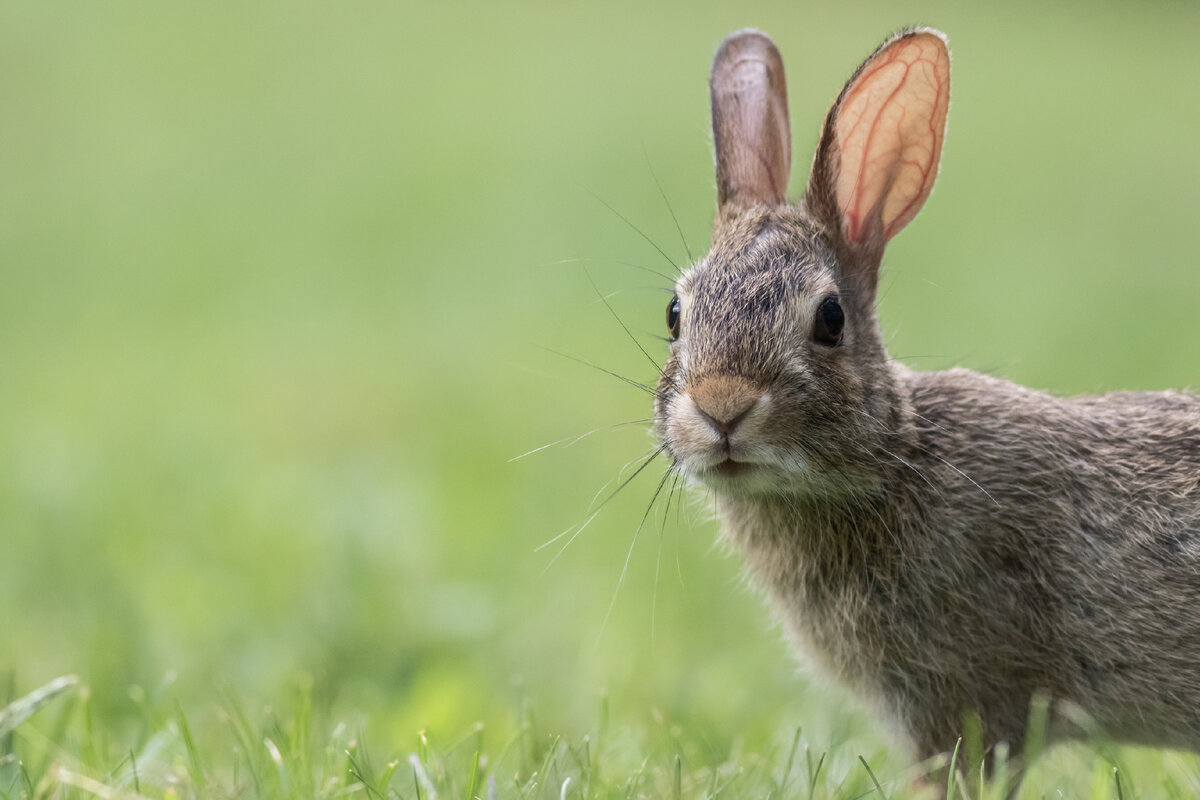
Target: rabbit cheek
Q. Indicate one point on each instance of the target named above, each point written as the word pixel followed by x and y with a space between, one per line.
pixel 697 444
pixel 666 393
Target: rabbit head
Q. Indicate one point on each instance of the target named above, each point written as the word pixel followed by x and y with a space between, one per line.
pixel 778 380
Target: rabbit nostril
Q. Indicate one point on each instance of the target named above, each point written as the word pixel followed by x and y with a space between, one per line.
pixel 725 426
pixel 724 402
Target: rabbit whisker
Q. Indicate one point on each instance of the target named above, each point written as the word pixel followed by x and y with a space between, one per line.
pixel 647 389
pixel 915 358
pixel 620 322
pixel 633 543
pixel 591 505
pixel 635 228
pixel 657 572
pixel 674 471
pixel 567 544
pixel 963 474
pixel 572 440
pixel 670 210
pixel 595 513
pixel 597 509
pixel 676 490
pixel 629 264
pixel 913 467
pixel 931 454
pixel 662 530
pixel 927 421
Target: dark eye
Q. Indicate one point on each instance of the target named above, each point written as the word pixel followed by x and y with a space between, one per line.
pixel 673 317
pixel 827 329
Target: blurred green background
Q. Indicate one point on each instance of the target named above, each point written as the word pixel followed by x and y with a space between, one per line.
pixel 284 287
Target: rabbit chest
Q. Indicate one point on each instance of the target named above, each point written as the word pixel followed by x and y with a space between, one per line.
pixel 908 605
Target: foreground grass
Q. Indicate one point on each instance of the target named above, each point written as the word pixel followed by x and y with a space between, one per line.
pixel 232 752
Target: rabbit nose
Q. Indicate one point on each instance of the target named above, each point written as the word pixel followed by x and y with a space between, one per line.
pixel 723 401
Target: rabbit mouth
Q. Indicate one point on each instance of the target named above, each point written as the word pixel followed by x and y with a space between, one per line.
pixel 733 469
pixel 731 477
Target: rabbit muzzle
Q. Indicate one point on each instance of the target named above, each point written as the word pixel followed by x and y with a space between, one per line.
pixel 717 430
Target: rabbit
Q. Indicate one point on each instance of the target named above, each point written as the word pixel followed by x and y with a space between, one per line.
pixel 947 545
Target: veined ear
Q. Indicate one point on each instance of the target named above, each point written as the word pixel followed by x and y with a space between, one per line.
pixel 751 136
pixel 880 147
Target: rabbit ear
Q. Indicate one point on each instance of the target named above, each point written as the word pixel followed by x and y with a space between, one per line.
pixel 879 151
pixel 751 136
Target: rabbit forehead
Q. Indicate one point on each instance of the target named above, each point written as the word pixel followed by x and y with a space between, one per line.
pixel 764 262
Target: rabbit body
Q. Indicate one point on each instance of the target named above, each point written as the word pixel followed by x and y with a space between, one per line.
pixel 941 542
pixel 1013 543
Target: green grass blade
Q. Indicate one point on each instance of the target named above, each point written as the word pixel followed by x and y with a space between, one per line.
pixel 951 772
pixel 874 780
pixel 22 709
pixel 194 766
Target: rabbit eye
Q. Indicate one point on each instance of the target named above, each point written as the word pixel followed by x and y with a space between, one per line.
pixel 673 317
pixel 830 319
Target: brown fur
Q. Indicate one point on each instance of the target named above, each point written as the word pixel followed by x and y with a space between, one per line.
pixel 941 542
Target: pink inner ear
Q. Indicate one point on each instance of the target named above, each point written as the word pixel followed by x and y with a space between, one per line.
pixel 890 127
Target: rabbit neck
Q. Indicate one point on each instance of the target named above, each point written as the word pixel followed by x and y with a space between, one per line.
pixel 843 529
pixel 824 562
pixel 786 539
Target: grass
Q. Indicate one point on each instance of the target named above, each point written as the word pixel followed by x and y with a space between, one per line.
pixel 304 751
pixel 281 292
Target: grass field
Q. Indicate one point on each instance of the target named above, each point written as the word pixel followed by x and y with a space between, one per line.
pixel 284 289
